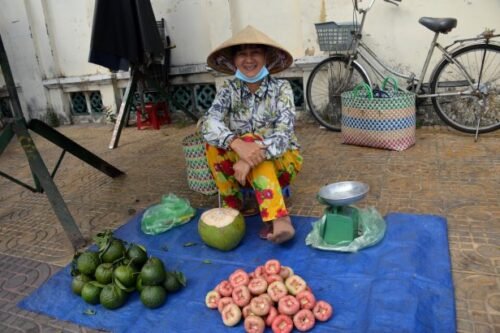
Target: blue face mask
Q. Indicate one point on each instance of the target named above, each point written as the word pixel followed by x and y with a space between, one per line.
pixel 260 76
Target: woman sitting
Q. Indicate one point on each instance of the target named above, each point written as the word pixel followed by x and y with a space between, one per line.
pixel 249 129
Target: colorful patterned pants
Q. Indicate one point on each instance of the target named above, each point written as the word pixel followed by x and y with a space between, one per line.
pixel 267 179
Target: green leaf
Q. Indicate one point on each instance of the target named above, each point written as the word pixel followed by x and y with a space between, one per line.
pixel 206 261
pixel 181 278
pixel 103 240
pixel 188 244
pixel 119 260
pixel 122 287
pixel 89 312
pixel 97 284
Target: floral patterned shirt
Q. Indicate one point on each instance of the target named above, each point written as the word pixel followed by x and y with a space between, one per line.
pixel 269 113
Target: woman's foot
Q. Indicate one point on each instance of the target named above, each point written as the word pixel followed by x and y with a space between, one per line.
pixel 282 230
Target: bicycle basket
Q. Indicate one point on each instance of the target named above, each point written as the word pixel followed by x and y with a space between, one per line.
pixel 335 36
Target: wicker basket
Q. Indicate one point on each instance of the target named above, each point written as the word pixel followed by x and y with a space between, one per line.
pixel 335 36
pixel 199 177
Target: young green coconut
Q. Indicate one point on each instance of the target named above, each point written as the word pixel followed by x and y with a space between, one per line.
pixel 221 228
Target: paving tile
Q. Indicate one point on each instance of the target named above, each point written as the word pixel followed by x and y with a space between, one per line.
pixel 446 173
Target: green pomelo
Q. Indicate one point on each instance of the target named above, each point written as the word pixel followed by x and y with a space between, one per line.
pixel 153 296
pixel 91 292
pixel 174 281
pixel 115 251
pixel 222 228
pixel 126 275
pixel 137 255
pixel 112 297
pixel 153 272
pixel 104 273
pixel 78 282
pixel 156 261
pixel 87 263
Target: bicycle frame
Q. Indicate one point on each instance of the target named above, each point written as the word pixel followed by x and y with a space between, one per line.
pixel 360 48
pixel 358 43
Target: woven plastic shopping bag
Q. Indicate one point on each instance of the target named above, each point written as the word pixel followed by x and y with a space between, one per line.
pixel 384 122
pixel 199 177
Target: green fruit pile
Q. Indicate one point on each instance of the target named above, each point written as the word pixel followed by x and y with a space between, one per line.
pixel 117 269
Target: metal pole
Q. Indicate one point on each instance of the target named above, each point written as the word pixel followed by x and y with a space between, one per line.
pixel 124 108
pixel 35 160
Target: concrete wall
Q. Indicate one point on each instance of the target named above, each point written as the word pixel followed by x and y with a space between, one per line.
pixel 17 37
pixel 48 41
pixel 392 31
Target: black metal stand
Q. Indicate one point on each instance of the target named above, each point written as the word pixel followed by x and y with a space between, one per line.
pixel 124 109
pixel 43 179
pixel 139 76
pixel 137 80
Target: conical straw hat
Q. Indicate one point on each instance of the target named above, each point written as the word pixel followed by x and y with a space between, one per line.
pixel 221 59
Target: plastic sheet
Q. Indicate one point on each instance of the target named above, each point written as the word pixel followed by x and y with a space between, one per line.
pixel 372 227
pixel 171 212
pixel 402 284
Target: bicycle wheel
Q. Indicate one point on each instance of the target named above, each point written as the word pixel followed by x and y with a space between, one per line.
pixel 327 81
pixel 476 106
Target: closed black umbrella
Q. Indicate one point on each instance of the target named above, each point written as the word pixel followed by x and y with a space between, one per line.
pixel 124 33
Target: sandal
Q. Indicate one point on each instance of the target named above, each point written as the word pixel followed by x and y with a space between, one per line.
pixel 249 211
pixel 266 230
pixel 250 207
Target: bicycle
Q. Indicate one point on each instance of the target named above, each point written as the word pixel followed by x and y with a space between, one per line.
pixel 464 85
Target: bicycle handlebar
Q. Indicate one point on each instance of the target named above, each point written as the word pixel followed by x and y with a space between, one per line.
pixel 364 10
pixel 393 2
pixel 356 7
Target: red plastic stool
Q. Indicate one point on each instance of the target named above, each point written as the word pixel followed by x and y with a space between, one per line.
pixel 156 114
pixel 163 113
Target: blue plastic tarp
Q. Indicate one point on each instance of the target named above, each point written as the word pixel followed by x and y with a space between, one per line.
pixel 402 284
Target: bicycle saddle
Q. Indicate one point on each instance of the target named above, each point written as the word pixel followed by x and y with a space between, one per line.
pixel 442 25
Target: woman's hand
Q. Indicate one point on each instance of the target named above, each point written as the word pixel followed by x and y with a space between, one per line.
pixel 250 152
pixel 241 170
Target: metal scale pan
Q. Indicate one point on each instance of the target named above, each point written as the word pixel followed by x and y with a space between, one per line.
pixel 343 193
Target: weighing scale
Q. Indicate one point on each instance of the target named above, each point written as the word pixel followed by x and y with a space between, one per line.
pixel 341 219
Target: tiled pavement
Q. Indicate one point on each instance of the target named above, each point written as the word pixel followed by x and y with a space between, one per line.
pixel 446 173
